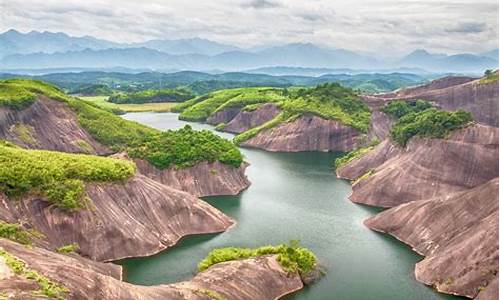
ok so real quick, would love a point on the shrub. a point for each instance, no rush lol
(431, 123)
(350, 156)
(57, 176)
(71, 248)
(16, 233)
(398, 109)
(292, 257)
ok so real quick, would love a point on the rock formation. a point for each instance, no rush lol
(307, 133)
(425, 168)
(203, 179)
(458, 235)
(139, 217)
(256, 278)
(451, 93)
(47, 124)
(246, 120)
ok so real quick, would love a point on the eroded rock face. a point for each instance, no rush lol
(451, 93)
(307, 133)
(203, 179)
(458, 234)
(426, 168)
(47, 124)
(136, 218)
(223, 116)
(257, 278)
(246, 120)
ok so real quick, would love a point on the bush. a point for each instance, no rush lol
(57, 176)
(350, 156)
(292, 257)
(16, 233)
(398, 109)
(432, 123)
(71, 248)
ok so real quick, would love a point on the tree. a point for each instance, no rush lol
(488, 73)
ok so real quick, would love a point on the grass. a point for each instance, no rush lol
(431, 123)
(490, 78)
(16, 233)
(350, 156)
(71, 248)
(49, 288)
(59, 177)
(15, 97)
(180, 148)
(25, 133)
(292, 257)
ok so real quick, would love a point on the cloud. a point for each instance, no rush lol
(383, 27)
(260, 4)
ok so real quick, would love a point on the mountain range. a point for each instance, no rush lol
(40, 50)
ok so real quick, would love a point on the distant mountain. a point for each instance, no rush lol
(42, 50)
(301, 71)
(15, 42)
(445, 63)
(187, 46)
(491, 54)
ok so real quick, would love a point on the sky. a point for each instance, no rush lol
(390, 27)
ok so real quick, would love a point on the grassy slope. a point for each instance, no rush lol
(59, 177)
(102, 101)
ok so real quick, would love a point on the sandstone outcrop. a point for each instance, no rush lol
(139, 217)
(451, 93)
(203, 179)
(256, 278)
(425, 168)
(458, 235)
(246, 120)
(307, 133)
(47, 124)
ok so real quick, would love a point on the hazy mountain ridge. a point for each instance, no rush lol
(39, 50)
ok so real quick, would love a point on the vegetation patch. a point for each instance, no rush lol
(49, 288)
(331, 101)
(84, 146)
(350, 156)
(59, 177)
(15, 97)
(400, 108)
(363, 177)
(16, 233)
(149, 96)
(431, 123)
(211, 293)
(93, 90)
(489, 77)
(71, 248)
(292, 257)
(25, 133)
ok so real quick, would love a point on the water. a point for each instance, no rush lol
(294, 196)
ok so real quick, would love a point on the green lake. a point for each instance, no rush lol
(294, 196)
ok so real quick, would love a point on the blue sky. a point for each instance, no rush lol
(374, 26)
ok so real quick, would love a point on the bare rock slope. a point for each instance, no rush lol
(47, 124)
(136, 218)
(307, 133)
(425, 168)
(257, 278)
(458, 235)
(451, 93)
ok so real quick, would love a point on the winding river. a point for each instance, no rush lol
(294, 196)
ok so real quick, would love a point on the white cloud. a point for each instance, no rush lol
(379, 26)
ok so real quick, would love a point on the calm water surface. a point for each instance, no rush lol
(294, 196)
